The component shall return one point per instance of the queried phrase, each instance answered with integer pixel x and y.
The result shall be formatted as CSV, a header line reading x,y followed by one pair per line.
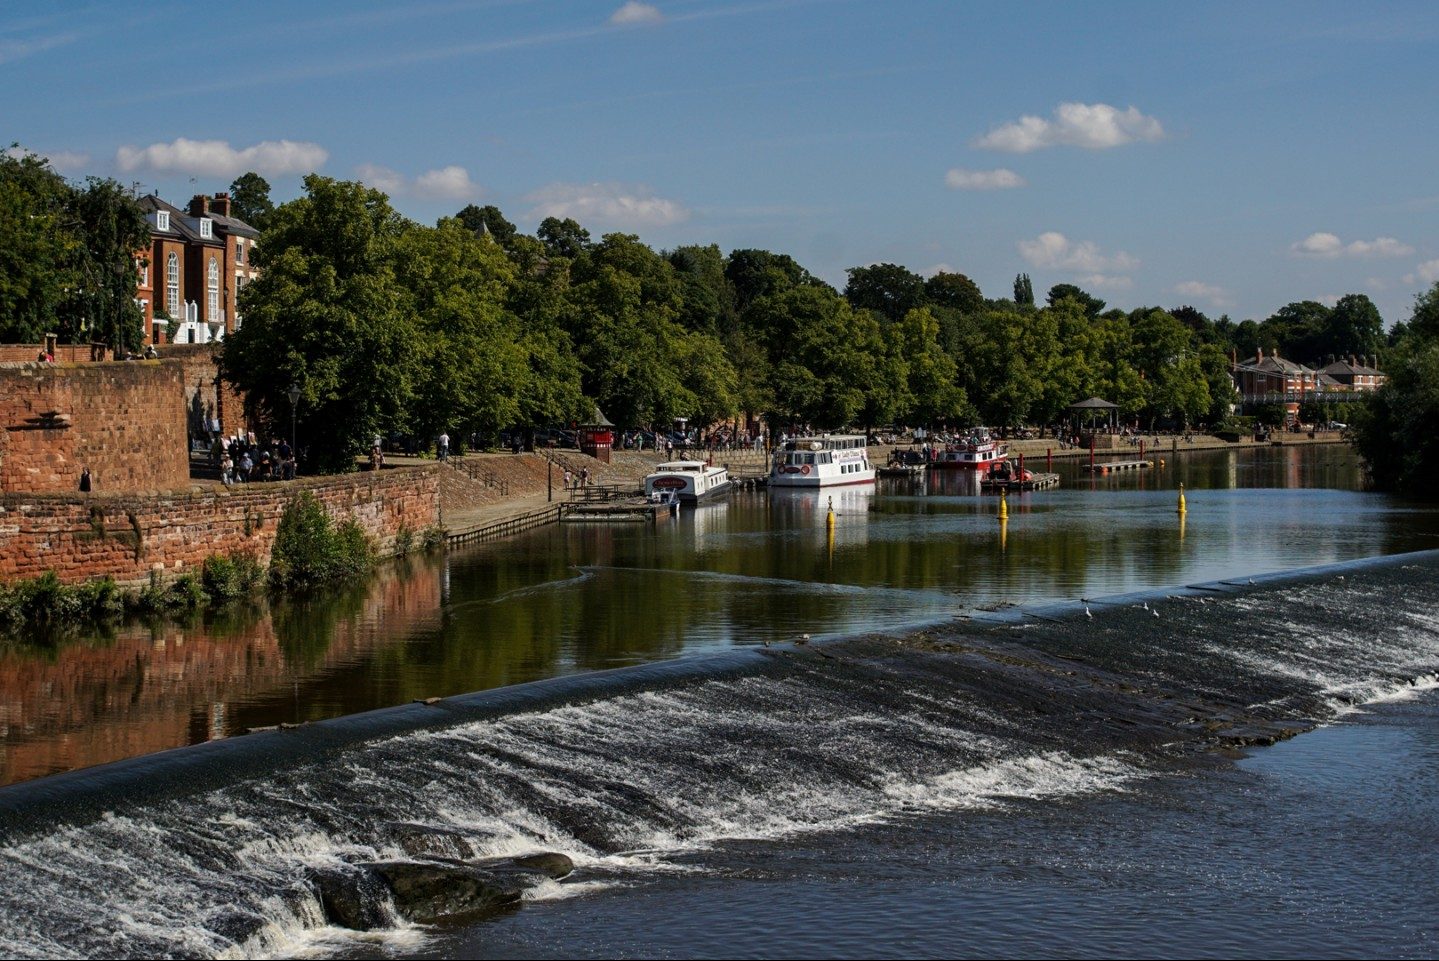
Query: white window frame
x,y
212,299
207,228
172,284
239,250
162,220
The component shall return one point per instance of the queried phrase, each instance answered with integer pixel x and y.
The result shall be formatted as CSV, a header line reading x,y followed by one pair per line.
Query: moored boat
x,y
823,461
979,451
689,481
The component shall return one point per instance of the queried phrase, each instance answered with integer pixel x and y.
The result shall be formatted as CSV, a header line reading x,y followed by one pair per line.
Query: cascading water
x,y
634,773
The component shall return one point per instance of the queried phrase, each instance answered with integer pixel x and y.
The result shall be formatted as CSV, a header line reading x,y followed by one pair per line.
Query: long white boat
x,y
689,481
824,461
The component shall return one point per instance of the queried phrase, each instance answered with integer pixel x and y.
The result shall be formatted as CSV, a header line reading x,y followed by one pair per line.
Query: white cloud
x,y
1000,179
11,49
1326,245
382,178
447,183
1199,290
62,160
1427,272
635,12
1056,251
1105,282
1093,126
607,204
216,158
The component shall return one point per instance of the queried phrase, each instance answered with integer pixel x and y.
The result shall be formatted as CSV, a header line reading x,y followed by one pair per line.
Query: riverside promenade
x,y
489,495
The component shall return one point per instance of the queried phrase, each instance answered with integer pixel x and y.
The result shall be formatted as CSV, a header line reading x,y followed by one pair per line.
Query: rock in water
x,y
549,863
351,899
434,890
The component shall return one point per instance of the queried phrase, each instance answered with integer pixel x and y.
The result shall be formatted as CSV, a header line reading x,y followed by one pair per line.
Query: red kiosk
x,y
598,436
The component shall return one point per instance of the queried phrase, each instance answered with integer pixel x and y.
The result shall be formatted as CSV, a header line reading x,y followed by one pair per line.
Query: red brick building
x,y
199,260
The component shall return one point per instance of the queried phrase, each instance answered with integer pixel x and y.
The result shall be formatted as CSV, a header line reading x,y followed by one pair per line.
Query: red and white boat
x,y
979,451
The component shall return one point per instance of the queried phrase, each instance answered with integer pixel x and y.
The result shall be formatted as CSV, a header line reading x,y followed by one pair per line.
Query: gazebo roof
x,y
598,419
1093,403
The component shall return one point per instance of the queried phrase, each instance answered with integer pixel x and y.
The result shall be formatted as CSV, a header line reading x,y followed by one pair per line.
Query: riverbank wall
x,y
127,536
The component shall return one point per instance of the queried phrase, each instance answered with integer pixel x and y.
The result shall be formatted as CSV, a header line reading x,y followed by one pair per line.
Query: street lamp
x,y
294,393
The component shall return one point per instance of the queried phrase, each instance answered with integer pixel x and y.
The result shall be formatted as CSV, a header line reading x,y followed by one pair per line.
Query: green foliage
x,y
1023,291
227,578
328,314
184,593
250,200
888,289
38,250
311,550
488,220
1397,431
44,603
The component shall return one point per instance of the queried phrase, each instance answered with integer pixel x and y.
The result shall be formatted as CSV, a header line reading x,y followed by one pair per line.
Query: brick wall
x,y
127,536
123,420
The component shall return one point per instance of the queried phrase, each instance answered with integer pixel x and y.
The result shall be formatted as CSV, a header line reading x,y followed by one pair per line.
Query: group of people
x,y
243,460
578,481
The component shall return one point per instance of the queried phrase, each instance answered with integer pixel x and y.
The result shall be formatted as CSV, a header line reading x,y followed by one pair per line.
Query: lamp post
x,y
294,394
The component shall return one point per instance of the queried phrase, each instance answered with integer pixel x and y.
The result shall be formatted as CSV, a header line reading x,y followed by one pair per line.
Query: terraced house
x,y
190,279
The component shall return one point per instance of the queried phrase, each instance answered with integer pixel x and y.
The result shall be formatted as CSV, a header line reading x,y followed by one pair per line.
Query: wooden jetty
x,y
1114,466
1036,482
901,470
610,511
504,528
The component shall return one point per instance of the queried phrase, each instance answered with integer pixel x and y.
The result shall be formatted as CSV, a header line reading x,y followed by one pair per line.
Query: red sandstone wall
x,y
128,536
123,420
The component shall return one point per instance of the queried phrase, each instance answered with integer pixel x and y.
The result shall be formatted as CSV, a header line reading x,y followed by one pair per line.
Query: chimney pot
x,y
199,205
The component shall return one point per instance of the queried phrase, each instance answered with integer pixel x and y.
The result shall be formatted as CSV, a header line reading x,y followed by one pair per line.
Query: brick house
x,y
199,260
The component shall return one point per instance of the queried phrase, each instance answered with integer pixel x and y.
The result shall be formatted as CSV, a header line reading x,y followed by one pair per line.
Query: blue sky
x,y
1230,156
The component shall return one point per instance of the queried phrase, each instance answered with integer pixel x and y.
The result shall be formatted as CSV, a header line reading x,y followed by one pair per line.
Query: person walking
x,y
444,446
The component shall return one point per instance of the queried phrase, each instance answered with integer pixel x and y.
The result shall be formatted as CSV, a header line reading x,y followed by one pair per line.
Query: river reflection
x,y
756,568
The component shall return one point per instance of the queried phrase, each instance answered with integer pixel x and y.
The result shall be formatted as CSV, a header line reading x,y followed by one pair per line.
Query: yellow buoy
x,y
1182,508
1003,506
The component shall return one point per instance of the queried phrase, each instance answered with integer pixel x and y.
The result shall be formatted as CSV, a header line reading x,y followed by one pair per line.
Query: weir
x,y
227,848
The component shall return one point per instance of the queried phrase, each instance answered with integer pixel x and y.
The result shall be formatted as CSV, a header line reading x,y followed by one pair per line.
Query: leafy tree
x,y
932,394
111,229
472,354
1092,306
707,298
1023,291
1352,327
489,219
327,314
39,247
758,273
1397,430
887,289
250,199
1298,330
563,238
953,292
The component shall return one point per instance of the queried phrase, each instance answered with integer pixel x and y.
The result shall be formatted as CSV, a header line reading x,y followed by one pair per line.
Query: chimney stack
x,y
1260,358
220,205
198,205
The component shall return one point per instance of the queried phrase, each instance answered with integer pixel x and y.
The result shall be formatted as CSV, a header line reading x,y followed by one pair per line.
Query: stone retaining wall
x,y
126,536
125,421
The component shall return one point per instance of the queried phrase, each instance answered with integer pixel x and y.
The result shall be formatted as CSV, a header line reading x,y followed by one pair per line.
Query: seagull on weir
x,y
1155,612
1086,612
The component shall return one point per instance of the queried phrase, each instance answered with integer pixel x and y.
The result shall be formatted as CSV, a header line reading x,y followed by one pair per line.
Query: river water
x,y
804,810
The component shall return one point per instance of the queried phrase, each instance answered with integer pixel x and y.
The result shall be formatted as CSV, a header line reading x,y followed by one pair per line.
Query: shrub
x,y
309,550
226,578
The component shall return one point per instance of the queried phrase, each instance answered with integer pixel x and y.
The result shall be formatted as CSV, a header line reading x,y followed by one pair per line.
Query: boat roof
x,y
683,465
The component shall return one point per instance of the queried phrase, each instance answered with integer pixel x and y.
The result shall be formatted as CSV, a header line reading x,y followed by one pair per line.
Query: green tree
x,y
39,247
1092,306
1023,291
952,291
933,396
1397,429
111,229
887,289
327,314
1352,327
250,199
563,238
488,219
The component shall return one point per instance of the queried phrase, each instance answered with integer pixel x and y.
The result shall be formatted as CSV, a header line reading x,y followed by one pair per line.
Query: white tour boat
x,y
689,481
823,461
977,452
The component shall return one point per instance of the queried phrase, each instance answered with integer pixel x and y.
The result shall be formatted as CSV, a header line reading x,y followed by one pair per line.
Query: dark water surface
x,y
757,568
1038,785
